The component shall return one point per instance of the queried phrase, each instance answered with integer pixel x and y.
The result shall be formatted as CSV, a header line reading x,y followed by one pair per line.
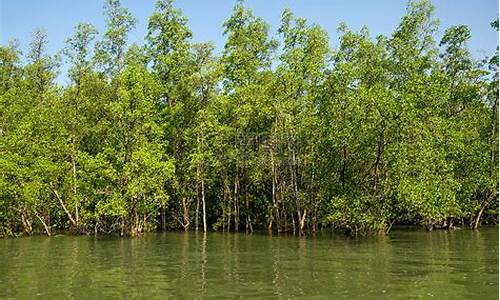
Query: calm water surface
x,y
407,264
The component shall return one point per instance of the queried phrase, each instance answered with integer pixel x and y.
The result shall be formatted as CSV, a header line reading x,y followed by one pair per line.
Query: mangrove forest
x,y
277,131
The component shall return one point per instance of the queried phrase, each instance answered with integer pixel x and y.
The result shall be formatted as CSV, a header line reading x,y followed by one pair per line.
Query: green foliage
x,y
110,51
281,134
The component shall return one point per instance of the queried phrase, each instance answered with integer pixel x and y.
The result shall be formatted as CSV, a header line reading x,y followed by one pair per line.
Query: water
x,y
407,264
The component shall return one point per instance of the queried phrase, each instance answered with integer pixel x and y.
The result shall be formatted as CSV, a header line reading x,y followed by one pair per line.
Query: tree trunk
x,y
478,218
315,219
236,206
27,223
163,219
248,217
223,205
302,222
185,213
45,226
204,206
197,214
65,209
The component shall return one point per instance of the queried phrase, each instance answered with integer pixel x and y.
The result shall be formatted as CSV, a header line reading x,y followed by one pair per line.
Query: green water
x,y
461,264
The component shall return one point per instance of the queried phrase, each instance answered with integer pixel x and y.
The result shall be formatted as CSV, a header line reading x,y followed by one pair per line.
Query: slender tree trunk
x,y
236,206
315,219
65,209
223,207
314,199
302,222
185,213
27,222
122,225
478,218
229,206
163,219
248,217
293,176
204,206
197,213
45,226
283,207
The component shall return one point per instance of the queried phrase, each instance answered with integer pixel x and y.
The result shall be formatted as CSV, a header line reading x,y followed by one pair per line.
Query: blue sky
x,y
19,18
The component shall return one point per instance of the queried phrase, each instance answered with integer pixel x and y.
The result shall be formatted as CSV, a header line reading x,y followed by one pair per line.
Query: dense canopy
x,y
285,134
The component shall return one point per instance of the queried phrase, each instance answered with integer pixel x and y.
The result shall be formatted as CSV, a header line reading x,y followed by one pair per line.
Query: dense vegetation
x,y
284,134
